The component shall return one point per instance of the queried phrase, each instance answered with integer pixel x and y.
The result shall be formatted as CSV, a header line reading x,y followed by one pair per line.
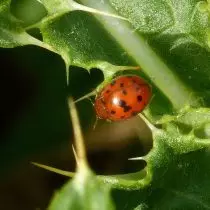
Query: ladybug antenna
x,y
95,123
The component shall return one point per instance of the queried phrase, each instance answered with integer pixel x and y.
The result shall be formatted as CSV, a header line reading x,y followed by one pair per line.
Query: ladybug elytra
x,y
123,98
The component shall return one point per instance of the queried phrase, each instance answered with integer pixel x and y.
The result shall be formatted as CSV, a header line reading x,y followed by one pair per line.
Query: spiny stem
x,y
115,181
79,140
55,170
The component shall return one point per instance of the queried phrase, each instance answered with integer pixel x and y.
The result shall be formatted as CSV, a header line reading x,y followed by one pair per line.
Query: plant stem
x,y
163,77
79,141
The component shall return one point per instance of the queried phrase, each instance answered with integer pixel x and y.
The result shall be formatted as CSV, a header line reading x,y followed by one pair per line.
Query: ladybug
x,y
123,98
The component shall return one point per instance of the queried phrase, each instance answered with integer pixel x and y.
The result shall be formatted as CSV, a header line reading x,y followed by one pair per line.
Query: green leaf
x,y
82,41
178,167
185,68
84,192
169,39
12,33
28,11
181,19
183,184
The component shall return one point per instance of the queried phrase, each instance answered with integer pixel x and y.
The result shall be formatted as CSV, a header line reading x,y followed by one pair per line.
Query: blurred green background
x,y
36,124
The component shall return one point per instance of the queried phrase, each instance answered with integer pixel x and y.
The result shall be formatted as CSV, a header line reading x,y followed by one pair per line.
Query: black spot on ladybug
x,y
108,91
121,84
139,98
124,92
127,108
122,103
113,82
133,80
113,112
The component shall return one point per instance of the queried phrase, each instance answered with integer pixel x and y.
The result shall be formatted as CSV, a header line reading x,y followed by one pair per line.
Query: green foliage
x,y
81,41
84,191
181,19
169,39
11,32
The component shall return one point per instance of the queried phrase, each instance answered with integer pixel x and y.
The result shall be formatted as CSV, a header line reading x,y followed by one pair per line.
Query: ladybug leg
x,y
95,123
91,101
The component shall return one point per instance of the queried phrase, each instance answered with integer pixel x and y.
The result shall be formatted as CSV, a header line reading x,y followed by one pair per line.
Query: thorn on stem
x,y
75,154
